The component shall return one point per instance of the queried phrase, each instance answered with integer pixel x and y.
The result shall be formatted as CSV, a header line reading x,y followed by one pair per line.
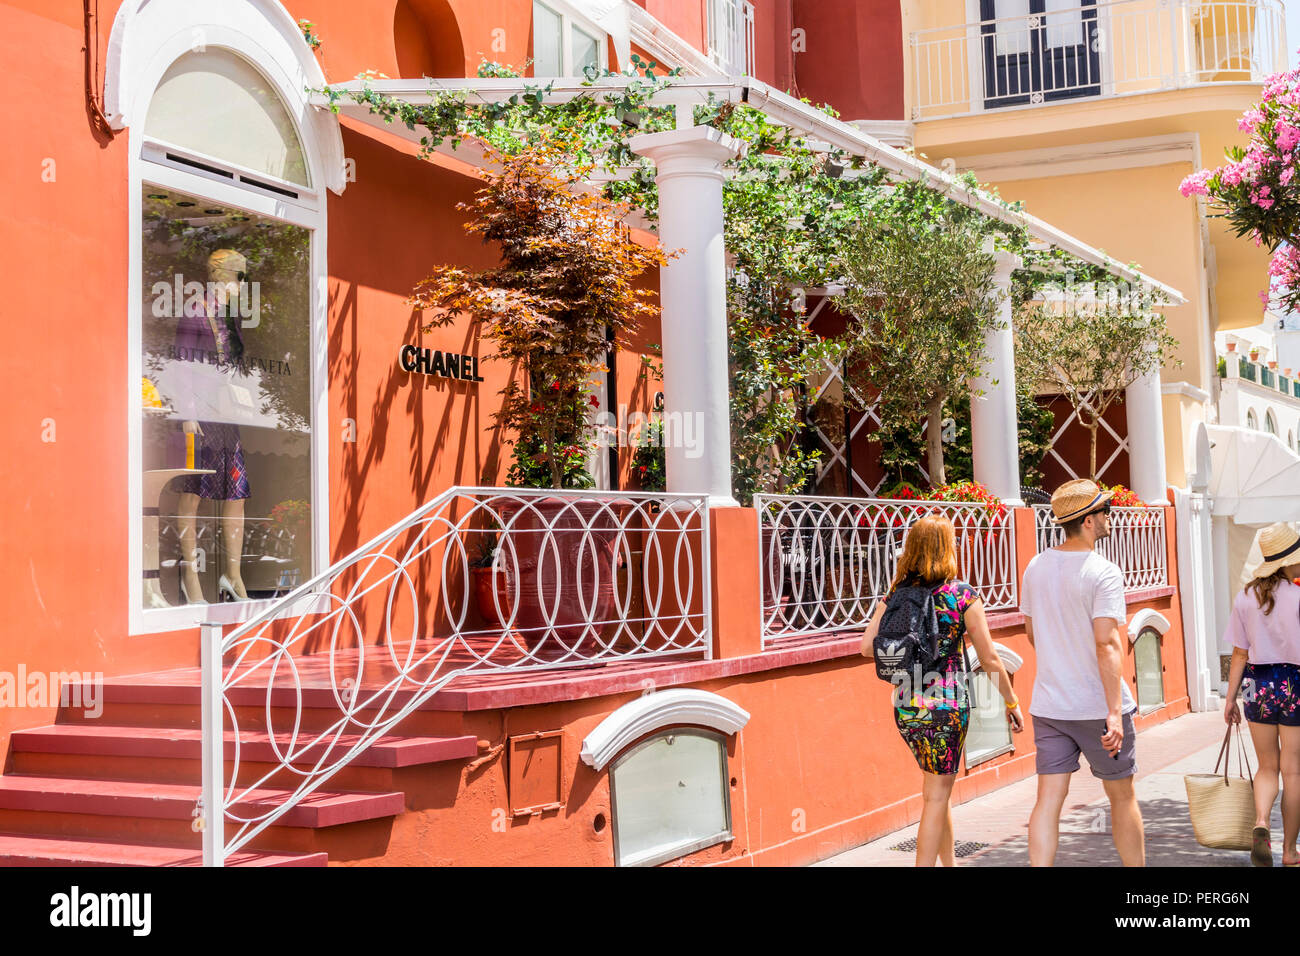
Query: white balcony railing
x,y
1107,48
479,580
824,562
1137,543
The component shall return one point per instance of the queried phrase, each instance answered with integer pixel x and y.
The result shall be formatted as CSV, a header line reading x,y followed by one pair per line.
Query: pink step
x,y
324,808
255,746
18,849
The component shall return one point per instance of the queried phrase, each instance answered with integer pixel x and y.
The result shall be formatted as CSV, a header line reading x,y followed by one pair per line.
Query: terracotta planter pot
x,y
490,591
559,558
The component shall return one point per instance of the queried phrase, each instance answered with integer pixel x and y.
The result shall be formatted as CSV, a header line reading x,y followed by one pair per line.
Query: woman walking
x,y
933,718
1264,631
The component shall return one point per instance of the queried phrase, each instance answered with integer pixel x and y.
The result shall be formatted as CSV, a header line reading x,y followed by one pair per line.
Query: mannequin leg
x,y
232,541
191,586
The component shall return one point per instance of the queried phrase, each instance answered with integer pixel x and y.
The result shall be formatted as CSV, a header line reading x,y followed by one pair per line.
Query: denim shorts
x,y
1059,742
1271,694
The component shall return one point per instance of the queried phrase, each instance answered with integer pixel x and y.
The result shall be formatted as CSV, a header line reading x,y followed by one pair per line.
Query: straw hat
x,y
1074,499
1279,545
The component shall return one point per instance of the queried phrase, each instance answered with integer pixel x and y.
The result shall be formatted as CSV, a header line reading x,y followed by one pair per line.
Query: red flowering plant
x,y
1257,190
1124,497
960,491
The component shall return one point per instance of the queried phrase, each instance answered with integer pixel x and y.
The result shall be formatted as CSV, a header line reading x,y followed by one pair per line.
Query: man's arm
x,y
1110,657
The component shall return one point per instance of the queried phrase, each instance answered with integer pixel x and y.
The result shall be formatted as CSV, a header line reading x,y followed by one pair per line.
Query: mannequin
x,y
205,334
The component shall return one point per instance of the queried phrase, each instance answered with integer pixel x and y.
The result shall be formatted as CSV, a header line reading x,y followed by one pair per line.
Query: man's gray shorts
x,y
1059,743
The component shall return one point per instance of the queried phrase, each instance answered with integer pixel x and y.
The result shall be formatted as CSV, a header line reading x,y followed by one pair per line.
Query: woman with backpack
x,y
1264,631
933,718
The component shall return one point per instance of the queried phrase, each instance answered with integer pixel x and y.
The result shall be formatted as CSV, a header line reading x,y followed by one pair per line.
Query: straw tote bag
x,y
1223,807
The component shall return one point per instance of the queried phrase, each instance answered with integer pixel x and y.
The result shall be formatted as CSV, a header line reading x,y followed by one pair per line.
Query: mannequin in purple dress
x,y
204,334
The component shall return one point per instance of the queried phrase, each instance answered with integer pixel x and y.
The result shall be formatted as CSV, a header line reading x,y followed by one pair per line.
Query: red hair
x,y
930,554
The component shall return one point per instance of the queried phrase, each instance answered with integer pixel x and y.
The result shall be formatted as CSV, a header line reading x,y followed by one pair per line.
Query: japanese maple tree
x,y
567,274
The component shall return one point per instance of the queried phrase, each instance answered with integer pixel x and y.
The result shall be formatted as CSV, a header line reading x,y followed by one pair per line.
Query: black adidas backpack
x,y
908,640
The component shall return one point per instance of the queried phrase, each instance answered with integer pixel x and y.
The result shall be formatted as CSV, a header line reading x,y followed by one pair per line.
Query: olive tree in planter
x,y
1089,343
921,288
568,265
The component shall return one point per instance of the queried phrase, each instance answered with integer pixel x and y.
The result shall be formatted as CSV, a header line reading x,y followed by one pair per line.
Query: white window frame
x,y
1159,638
1012,662
571,19
148,37
743,44
675,850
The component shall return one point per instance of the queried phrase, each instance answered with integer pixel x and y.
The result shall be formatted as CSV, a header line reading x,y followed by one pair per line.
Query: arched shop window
x,y
227,305
1150,670
669,796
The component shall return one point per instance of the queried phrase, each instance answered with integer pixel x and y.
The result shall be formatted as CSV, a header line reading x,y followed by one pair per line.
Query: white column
x,y
693,297
1146,439
995,436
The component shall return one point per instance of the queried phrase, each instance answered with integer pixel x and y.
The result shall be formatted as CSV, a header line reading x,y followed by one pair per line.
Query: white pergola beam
x,y
780,107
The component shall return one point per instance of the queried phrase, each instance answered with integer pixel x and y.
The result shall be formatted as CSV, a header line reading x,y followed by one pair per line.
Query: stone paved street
x,y
1188,744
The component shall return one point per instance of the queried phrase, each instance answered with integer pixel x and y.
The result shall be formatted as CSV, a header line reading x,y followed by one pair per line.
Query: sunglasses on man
x,y
1103,510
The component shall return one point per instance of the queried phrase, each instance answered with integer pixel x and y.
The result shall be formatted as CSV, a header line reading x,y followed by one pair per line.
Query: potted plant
x,y
1232,346
567,274
1254,355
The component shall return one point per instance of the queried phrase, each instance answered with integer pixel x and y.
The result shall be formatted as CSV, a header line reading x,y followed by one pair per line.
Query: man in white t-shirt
x,y
1073,602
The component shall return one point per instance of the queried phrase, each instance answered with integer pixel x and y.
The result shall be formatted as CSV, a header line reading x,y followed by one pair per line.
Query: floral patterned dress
x,y
934,720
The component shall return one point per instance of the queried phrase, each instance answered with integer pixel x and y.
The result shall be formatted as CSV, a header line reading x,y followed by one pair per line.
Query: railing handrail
x,y
1100,5
280,606
829,592
594,539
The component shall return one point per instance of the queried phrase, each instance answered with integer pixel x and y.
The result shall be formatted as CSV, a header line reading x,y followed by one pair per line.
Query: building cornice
x,y
1084,157
1186,390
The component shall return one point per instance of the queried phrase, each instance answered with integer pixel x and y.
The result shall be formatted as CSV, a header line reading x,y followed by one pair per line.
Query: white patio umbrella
x,y
1255,478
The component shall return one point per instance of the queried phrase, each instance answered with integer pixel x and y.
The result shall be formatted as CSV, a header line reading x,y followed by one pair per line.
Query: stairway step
x,y
255,746
18,849
324,808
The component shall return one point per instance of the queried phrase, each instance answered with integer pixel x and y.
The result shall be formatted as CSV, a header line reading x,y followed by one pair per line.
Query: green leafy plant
x,y
921,288
1089,344
309,33
648,460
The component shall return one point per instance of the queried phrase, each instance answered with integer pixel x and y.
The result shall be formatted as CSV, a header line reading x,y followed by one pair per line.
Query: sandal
x,y
1261,850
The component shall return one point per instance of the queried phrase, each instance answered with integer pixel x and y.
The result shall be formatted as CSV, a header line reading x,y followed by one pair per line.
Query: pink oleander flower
x,y
1249,120
1194,185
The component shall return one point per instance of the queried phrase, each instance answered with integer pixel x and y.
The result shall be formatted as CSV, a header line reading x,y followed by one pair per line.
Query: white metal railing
x,y
576,577
1137,543
1108,48
824,562
731,35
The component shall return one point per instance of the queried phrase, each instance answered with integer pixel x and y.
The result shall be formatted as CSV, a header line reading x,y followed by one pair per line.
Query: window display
x,y
226,402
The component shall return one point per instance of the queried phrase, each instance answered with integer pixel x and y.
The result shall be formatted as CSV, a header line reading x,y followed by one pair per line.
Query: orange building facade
x,y
345,441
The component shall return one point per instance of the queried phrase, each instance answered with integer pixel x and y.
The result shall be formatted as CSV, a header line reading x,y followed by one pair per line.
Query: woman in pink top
x,y
1264,631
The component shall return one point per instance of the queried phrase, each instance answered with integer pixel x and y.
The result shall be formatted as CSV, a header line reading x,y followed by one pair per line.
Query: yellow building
x,y
1092,113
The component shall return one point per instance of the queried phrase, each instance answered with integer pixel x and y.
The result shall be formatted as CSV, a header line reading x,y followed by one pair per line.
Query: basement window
x,y
989,733
670,797
1150,670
